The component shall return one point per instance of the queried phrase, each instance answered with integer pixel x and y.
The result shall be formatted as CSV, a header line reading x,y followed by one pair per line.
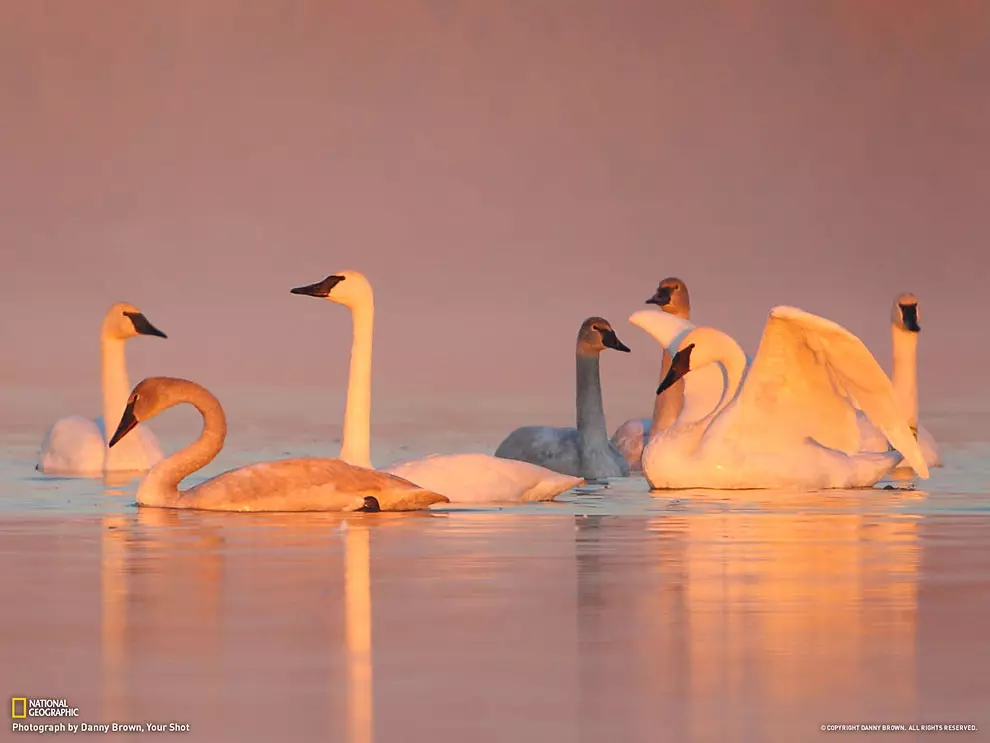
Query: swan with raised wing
x,y
786,421
77,446
584,451
629,439
473,478
905,328
301,484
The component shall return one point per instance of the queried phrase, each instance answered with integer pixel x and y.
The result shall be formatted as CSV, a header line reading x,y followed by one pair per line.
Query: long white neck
x,y
114,382
356,440
905,373
160,486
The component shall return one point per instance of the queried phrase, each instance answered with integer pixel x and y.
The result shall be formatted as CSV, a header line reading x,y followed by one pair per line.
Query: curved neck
x,y
592,432
161,485
356,439
732,361
904,374
669,403
113,380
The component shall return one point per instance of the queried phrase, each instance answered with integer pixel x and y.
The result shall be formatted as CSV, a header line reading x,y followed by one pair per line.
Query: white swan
x,y
76,445
905,327
629,439
471,478
301,484
584,451
785,422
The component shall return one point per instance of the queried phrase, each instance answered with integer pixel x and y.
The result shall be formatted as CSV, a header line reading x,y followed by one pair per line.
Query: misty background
x,y
500,171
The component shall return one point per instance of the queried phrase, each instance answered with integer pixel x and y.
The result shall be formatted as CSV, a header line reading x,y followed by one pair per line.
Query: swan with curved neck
x,y
584,451
478,478
629,439
77,446
905,329
301,484
786,421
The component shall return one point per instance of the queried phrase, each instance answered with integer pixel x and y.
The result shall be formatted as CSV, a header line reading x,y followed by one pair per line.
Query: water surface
x,y
612,615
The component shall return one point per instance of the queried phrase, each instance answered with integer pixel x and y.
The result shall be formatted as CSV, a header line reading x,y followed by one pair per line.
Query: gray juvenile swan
x,y
584,451
301,484
672,297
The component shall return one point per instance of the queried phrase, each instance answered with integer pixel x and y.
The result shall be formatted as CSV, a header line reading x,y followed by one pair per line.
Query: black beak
x,y
320,289
679,366
909,313
661,298
142,326
371,505
127,422
611,340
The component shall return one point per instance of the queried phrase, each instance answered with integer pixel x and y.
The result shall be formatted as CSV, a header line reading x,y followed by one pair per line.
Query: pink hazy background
x,y
500,170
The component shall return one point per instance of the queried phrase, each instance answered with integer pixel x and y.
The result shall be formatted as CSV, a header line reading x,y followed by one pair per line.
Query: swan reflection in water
x,y
754,612
176,589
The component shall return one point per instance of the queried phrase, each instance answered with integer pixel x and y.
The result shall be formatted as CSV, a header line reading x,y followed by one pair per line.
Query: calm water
x,y
612,615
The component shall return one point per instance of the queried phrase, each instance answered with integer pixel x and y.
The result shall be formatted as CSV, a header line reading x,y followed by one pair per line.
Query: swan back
x,y
480,478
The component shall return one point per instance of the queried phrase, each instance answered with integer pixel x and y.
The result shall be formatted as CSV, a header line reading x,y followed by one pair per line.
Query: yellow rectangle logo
x,y
13,708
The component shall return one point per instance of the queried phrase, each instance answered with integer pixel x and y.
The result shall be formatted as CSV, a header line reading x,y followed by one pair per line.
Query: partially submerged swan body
x,y
301,484
786,421
629,439
488,479
480,478
584,451
905,326
77,446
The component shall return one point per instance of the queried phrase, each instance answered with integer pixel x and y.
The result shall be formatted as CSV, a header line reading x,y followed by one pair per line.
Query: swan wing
x,y
806,376
703,387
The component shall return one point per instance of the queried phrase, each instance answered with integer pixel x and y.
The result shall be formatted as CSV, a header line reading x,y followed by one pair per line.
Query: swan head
x,y
906,314
700,347
596,334
366,504
124,321
150,397
349,288
145,402
672,296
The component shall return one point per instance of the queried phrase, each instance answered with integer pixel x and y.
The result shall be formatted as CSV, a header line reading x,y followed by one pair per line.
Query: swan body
x,y
584,451
487,480
77,446
480,478
629,439
905,330
786,421
301,484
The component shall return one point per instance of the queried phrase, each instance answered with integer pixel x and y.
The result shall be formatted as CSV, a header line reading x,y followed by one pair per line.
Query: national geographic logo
x,y
22,708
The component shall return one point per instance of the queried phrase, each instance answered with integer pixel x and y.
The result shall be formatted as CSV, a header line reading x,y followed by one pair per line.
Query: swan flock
x,y
812,409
